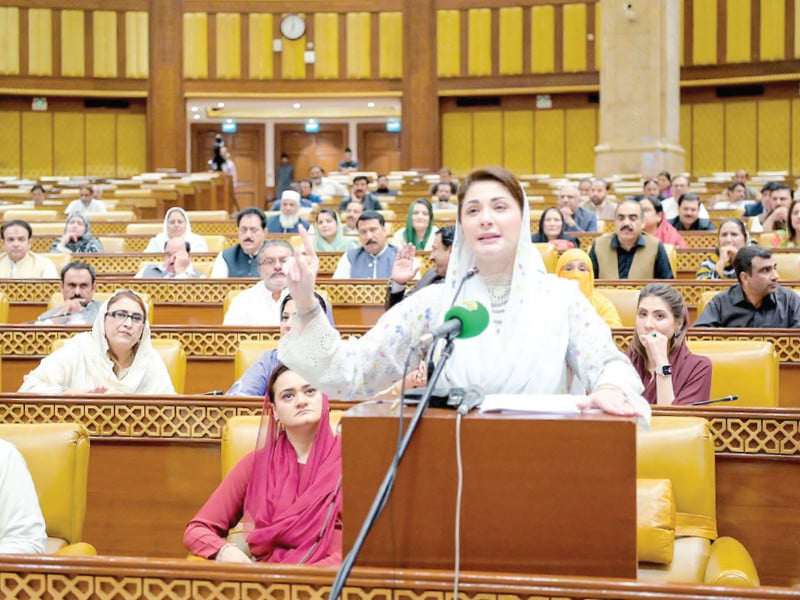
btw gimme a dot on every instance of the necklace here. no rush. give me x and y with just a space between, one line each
499 288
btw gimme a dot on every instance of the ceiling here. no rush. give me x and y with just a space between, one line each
211 109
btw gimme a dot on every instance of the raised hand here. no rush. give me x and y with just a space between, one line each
302 274
404 269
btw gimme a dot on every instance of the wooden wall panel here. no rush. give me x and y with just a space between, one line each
131 145
574 36
358 44
40 41
773 135
543 39
37 144
510 41
457 141
101 140
104 43
704 32
228 46
796 31
598 9
686 134
137 45
292 64
9 40
73 44
581 137
518 141
549 141
69 144
773 16
195 46
707 138
326 45
448 43
390 45
260 46
10 141
479 42
737 31
487 145
740 136
795 166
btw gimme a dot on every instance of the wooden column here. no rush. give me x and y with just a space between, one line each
639 89
420 139
166 120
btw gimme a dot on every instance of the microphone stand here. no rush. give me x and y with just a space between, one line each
388 481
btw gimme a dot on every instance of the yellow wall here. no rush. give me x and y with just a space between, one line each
105 144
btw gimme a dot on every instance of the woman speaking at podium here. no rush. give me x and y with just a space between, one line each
542 331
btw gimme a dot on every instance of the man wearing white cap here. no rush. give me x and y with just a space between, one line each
289 217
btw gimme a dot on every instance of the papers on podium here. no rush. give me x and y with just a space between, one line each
552 404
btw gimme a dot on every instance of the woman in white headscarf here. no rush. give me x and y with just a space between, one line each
542 331
176 224
115 357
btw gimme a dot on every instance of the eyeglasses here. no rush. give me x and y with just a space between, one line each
120 316
271 262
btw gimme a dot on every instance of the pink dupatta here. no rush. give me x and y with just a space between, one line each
291 510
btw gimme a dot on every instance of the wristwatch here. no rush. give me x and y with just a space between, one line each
666 369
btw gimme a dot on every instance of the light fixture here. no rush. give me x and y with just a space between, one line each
195 109
220 105
196 117
371 104
296 105
229 120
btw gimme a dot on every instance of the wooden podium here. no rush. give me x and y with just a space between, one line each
545 495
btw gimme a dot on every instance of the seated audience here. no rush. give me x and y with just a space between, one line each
17 261
575 217
757 300
382 186
330 233
287 492
671 374
351 214
239 260
176 224
77 287
77 237
253 381
734 197
689 218
576 264
552 230
764 205
732 238
38 195
348 163
87 203
289 217
741 176
177 263
115 357
324 186
790 237
259 305
651 188
405 267
597 201
445 192
22 527
628 253
359 192
679 187
778 217
374 258
307 197
664 181
656 225
419 226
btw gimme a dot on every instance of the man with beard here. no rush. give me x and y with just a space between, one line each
598 201
757 300
781 198
360 193
289 217
444 192
77 287
239 260
260 305
374 258
629 253
324 186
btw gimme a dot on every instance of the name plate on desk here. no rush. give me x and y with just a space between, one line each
541 495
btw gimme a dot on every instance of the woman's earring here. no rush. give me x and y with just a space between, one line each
676 335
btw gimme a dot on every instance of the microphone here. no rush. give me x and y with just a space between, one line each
468 275
57 316
730 398
465 319
473 398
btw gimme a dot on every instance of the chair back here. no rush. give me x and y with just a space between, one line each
746 368
32 215
47 229
672 255
549 255
57 455
788 264
248 352
625 301
705 298
4 305
112 244
144 228
210 216
125 216
226 304
215 243
240 434
59 260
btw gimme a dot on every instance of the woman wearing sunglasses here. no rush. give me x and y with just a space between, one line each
115 357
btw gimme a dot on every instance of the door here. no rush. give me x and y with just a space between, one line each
324 148
378 149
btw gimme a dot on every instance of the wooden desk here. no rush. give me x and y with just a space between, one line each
527 480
